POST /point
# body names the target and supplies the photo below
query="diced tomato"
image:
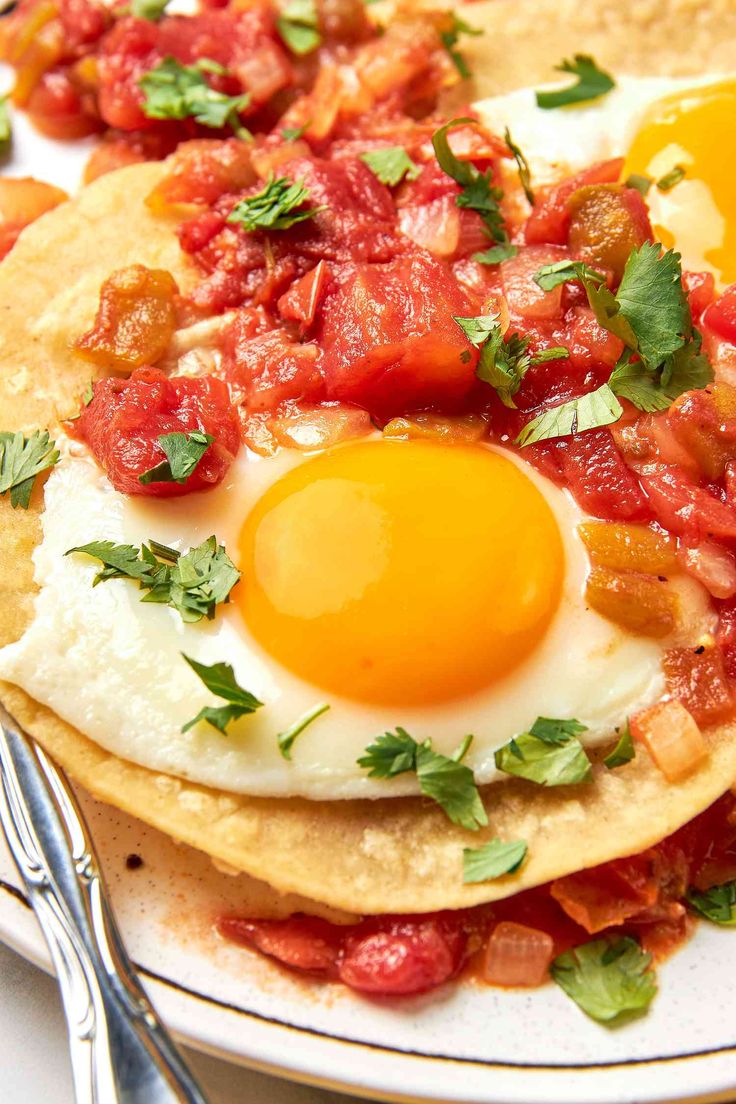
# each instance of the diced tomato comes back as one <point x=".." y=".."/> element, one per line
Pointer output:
<point x="125" y="418"/>
<point x="118" y="149"/>
<point x="22" y="201"/>
<point x="704" y="423"/>
<point x="683" y="507"/>
<point x="389" y="340"/>
<point x="607" y="895"/>
<point x="300" y="302"/>
<point x="672" y="738"/>
<point x="518" y="955"/>
<point x="700" y="288"/>
<point x="600" y="480"/>
<point x="721" y="315"/>
<point x="607" y="221"/>
<point x="304" y="943"/>
<point x="84" y="21"/>
<point x="268" y="368"/>
<point x="589" y="345"/>
<point x="135" y="320"/>
<point x="549" y="220"/>
<point x="696" y="678"/>
<point x="200" y="172"/>
<point x="525" y="298"/>
<point x="59" y="109"/>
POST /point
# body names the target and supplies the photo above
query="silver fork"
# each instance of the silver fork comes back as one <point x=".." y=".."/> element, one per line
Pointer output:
<point x="120" y="1051"/>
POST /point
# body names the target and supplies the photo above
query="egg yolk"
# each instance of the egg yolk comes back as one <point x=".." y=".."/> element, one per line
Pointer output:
<point x="697" y="216"/>
<point x="401" y="572"/>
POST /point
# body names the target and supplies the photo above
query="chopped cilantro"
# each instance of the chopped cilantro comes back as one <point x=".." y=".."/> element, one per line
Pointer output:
<point x="290" y="134"/>
<point x="477" y="330"/>
<point x="606" y="978"/>
<point x="549" y="754"/>
<point x="175" y="91"/>
<point x="444" y="779"/>
<point x="148" y="9"/>
<point x="591" y="83"/>
<point x="496" y="254"/>
<point x="5" y="129"/>
<point x="478" y="193"/>
<point x="450" y="39"/>
<point x="484" y="864"/>
<point x="289" y="735"/>
<point x="298" y="26"/>
<point x="192" y="583"/>
<point x="597" y="408"/>
<point x="717" y="904"/>
<point x="674" y="176"/>
<point x="275" y="207"/>
<point x="220" y="680"/>
<point x="503" y="361"/>
<point x="641" y="183"/>
<point x="88" y="395"/>
<point x="623" y="752"/>
<point x="21" y="460"/>
<point x="391" y="165"/>
<point x="183" y="452"/>
<point x="525" y="175"/>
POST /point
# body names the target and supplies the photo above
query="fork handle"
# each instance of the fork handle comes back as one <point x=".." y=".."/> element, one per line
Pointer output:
<point x="120" y="1051"/>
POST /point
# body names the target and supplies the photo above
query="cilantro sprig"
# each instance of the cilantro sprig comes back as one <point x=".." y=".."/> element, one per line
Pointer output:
<point x="148" y="9"/>
<point x="525" y="173"/>
<point x="183" y="451"/>
<point x="623" y="752"/>
<point x="175" y="91"/>
<point x="478" y="193"/>
<point x="444" y="779"/>
<point x="5" y="129"/>
<point x="504" y="361"/>
<point x="493" y="860"/>
<point x="220" y="679"/>
<point x="193" y="583"/>
<point x="298" y="26"/>
<point x="606" y="978"/>
<point x="717" y="904"/>
<point x="21" y="460"/>
<point x="450" y="39"/>
<point x="549" y="754"/>
<point x="279" y="205"/>
<point x="391" y="165"/>
<point x="649" y="313"/>
<point x="286" y="738"/>
<point x="591" y="82"/>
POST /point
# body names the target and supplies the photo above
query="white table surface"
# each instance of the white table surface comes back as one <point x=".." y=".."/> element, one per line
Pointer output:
<point x="34" y="1067"/>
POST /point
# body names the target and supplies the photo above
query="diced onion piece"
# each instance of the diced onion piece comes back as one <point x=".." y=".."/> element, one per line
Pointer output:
<point x="517" y="955"/>
<point x="640" y="603"/>
<point x="628" y="547"/>
<point x="711" y="565"/>
<point x="426" y="426"/>
<point x="434" y="226"/>
<point x="672" y="738"/>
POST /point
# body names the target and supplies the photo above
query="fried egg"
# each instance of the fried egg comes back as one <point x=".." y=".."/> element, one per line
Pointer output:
<point x="655" y="124"/>
<point x="401" y="582"/>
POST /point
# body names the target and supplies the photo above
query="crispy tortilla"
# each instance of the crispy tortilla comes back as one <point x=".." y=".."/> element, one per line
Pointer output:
<point x="362" y="856"/>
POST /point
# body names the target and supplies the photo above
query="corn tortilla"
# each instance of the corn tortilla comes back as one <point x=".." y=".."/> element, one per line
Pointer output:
<point x="361" y="856"/>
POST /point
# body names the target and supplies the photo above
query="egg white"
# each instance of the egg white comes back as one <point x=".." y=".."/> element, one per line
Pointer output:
<point x="112" y="666"/>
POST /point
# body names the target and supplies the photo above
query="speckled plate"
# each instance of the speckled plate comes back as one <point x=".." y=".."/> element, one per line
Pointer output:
<point x="463" y="1044"/>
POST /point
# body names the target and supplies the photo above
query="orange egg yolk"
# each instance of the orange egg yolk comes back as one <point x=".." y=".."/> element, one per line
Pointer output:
<point x="401" y="572"/>
<point x="697" y="216"/>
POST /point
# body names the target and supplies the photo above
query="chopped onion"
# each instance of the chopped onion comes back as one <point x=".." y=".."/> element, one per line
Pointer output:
<point x="518" y="955"/>
<point x="672" y="738"/>
<point x="712" y="566"/>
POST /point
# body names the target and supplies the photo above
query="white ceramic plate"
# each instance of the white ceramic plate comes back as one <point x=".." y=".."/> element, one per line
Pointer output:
<point x="464" y="1044"/>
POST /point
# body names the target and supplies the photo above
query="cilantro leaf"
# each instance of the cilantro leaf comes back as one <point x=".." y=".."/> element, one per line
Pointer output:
<point x="193" y="583"/>
<point x="220" y="679"/>
<point x="552" y="275"/>
<point x="484" y="864"/>
<point x="652" y="300"/>
<point x="288" y="736"/>
<point x="597" y="408"/>
<point x="717" y="904"/>
<point x="444" y="779"/>
<point x="5" y="129"/>
<point x="275" y="207"/>
<point x="667" y="182"/>
<point x="522" y="164"/>
<point x="641" y="183"/>
<point x="503" y="361"/>
<point x="21" y="460"/>
<point x="623" y="752"/>
<point x="478" y="329"/>
<point x="549" y="754"/>
<point x="148" y="9"/>
<point x="299" y="27"/>
<point x="290" y="134"/>
<point x="450" y="39"/>
<point x="391" y="165"/>
<point x="605" y="978"/>
<point x="175" y="91"/>
<point x="496" y="254"/>
<point x="478" y="193"/>
<point x="183" y="452"/>
<point x="591" y="83"/>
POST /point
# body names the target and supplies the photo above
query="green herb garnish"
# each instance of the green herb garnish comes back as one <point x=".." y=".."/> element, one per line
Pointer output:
<point x="591" y="83"/>
<point x="275" y="207"/>
<point x="606" y="978"/>
<point x="522" y="164"/>
<point x="503" y="361"/>
<point x="496" y="254"/>
<point x="494" y="859"/>
<point x="290" y="134"/>
<point x="183" y="452"/>
<point x="220" y="680"/>
<point x="674" y="176"/>
<point x="623" y="752"/>
<point x="444" y="779"/>
<point x="192" y="583"/>
<point x="478" y="193"/>
<point x="717" y="904"/>
<point x="21" y="460"/>
<point x="549" y="754"/>
<point x="642" y="184"/>
<point x="450" y="39"/>
<point x="152" y="10"/>
<point x="391" y="165"/>
<point x="298" y="26"/>
<point x="175" y="91"/>
<point x="287" y="738"/>
<point x="5" y="129"/>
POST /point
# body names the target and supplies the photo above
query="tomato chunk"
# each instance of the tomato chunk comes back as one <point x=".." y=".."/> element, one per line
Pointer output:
<point x="704" y="422"/>
<point x="304" y="943"/>
<point x="268" y="368"/>
<point x="672" y="738"/>
<point x="200" y="171"/>
<point x="135" y="320"/>
<point x="600" y="480"/>
<point x="696" y="677"/>
<point x="22" y="201"/>
<point x="125" y="418"/>
<point x="685" y="508"/>
<point x="607" y="895"/>
<point x="721" y="315"/>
